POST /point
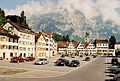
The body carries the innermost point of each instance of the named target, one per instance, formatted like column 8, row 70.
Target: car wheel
column 42, row 63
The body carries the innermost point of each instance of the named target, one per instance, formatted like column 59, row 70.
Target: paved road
column 94, row 71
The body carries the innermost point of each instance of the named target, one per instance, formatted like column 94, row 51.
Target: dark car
column 17, row 59
column 81, row 55
column 94, row 56
column 87, row 59
column 61, row 62
column 29, row 59
column 74, row 63
column 114, row 68
column 117, row 77
column 114, row 61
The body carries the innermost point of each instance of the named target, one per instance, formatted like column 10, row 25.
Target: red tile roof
column 75, row 44
column 48, row 33
column 86, row 44
column 62, row 44
column 101, row 41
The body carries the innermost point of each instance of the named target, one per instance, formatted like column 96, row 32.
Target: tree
column 23, row 19
column 67, row 38
column 2, row 17
column 112, row 42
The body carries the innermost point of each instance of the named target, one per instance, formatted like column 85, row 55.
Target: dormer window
column 10, row 28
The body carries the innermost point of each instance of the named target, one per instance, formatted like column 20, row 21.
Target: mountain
column 75, row 24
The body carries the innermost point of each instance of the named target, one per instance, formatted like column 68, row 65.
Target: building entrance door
column 3, row 55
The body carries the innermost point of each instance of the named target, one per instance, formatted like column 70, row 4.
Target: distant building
column 62, row 47
column 86, row 48
column 72, row 48
column 102, row 46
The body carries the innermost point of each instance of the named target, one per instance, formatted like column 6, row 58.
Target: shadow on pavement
column 110, row 75
column 107, row 63
column 109, row 80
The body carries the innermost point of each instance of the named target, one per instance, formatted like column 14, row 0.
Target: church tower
column 87, row 37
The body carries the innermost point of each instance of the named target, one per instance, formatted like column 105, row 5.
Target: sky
column 108, row 9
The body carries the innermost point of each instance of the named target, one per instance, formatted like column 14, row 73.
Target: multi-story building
column 40, row 45
column 8, row 44
column 62, row 47
column 26, row 43
column 72, row 48
column 46, row 45
column 86, row 48
column 102, row 46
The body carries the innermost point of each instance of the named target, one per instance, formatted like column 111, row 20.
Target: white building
column 62, row 47
column 86, row 48
column 8, row 44
column 72, row 47
column 26, row 43
column 45, row 45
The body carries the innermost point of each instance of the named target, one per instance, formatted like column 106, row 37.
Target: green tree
column 2, row 17
column 112, row 42
column 23, row 19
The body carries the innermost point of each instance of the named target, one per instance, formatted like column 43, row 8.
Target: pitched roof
column 62, row 44
column 86, row 44
column 101, row 41
column 6, row 33
column 37, row 35
column 49, row 33
column 75, row 44
column 22, row 28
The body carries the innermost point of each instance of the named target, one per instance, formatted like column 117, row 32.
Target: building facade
column 26, row 42
column 8, row 44
column 45, row 45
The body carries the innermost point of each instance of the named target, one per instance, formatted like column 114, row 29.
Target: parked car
column 94, row 56
column 116, row 77
column 114, row 61
column 61, row 62
column 17, row 59
column 41, row 61
column 87, row 59
column 81, row 55
column 29, row 59
column 114, row 68
column 74, row 63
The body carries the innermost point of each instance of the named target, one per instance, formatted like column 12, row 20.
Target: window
column 20, row 54
column 46, row 48
column 11, row 54
column 24, row 54
column 28, row 49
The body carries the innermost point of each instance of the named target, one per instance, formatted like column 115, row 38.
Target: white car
column 41, row 61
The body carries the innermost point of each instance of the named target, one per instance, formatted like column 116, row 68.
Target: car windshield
column 73, row 61
column 42, row 59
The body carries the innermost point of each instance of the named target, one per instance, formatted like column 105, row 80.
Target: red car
column 17, row 59
column 29, row 59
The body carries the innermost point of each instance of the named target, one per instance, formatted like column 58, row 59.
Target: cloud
column 32, row 8
column 91, row 8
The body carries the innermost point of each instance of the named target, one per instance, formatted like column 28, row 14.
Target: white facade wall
column 71, row 49
column 117, row 46
column 5, row 52
column 26, row 43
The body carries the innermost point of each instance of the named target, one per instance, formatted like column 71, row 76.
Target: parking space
column 28, row 69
